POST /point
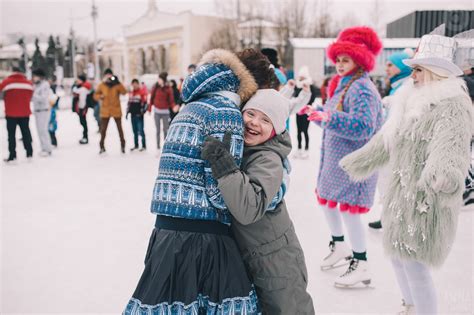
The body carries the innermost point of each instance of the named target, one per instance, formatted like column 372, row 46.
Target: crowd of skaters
column 163, row 102
column 358, row 138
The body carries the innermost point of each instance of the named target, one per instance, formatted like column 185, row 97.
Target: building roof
column 323, row 43
column 111, row 46
column 154, row 20
column 257, row 23
column 14, row 51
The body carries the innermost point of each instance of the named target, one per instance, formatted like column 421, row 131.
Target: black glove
column 218, row 155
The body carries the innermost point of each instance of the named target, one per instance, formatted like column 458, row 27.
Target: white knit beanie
column 273, row 104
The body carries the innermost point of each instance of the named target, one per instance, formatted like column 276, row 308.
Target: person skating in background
column 41, row 109
column 177, row 99
column 304, row 87
column 426, row 145
column 272, row 55
column 108, row 94
column 137, row 106
column 191, row 216
column 350, row 117
column 397, row 73
column 97, row 114
column 17, row 92
column 144, row 89
column 53, row 122
column 254, row 196
column 324, row 90
column 81, row 89
column 190, row 70
column 161, row 102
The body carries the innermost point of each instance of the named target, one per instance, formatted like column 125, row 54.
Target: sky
column 53, row 16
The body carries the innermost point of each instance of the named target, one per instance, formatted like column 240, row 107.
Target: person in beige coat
column 108, row 93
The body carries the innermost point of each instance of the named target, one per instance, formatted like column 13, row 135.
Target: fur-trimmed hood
column 219, row 70
column 410, row 103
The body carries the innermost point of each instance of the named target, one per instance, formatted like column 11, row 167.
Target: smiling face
column 391, row 70
column 258, row 127
column 344, row 64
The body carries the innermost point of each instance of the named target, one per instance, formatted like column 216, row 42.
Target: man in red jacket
column 17, row 91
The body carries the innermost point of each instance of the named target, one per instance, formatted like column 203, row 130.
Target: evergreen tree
column 38, row 59
column 67, row 60
column 59, row 52
column 23, row 58
column 50, row 57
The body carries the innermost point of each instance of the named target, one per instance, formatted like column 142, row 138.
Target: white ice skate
column 340, row 255
column 356, row 273
column 408, row 309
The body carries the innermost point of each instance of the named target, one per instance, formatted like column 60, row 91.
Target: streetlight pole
column 73, row 53
column 94, row 15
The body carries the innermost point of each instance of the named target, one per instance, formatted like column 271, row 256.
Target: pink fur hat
column 361, row 43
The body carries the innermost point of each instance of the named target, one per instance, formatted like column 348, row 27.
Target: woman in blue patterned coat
column 350, row 118
column 193, row 265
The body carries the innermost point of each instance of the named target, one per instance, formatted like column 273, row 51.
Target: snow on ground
column 75, row 229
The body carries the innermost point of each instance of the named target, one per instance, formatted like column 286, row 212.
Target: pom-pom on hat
column 273, row 104
column 361, row 43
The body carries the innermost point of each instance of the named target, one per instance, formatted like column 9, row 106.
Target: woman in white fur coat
column 425, row 144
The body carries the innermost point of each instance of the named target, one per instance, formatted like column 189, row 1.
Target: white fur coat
column 426, row 145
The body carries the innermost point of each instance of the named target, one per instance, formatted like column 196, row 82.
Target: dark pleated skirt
column 193, row 273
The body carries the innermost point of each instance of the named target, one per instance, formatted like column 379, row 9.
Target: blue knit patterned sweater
column 185, row 187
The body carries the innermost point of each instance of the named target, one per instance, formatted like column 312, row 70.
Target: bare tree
column 245, row 28
column 322, row 25
column 347, row 21
column 258, row 23
column 224, row 37
column 377, row 16
column 291, row 18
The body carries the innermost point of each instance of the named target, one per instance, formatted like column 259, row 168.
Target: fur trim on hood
column 248, row 85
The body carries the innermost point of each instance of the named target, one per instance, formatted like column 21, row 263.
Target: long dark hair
column 259, row 66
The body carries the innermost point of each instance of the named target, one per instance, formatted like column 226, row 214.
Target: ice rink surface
column 75, row 228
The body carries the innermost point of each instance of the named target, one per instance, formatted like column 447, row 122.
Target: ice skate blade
column 341, row 263
column 366, row 284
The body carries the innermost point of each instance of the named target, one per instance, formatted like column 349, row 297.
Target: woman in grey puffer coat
column 41, row 109
column 425, row 144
